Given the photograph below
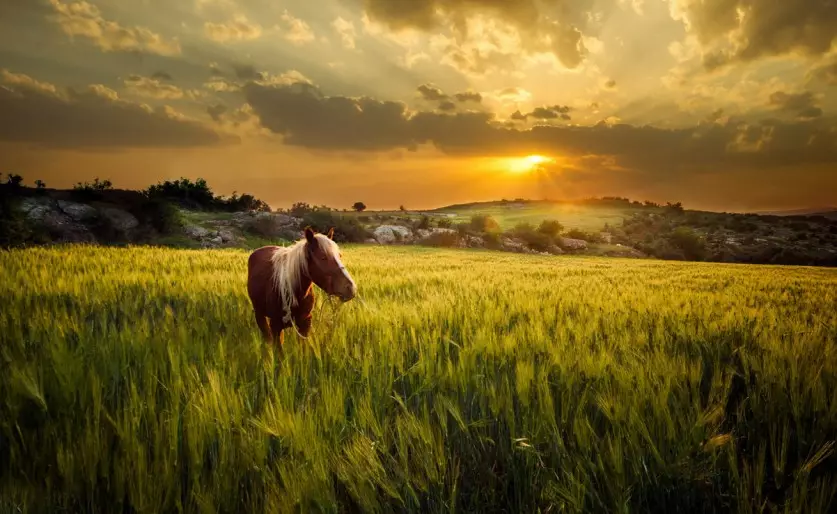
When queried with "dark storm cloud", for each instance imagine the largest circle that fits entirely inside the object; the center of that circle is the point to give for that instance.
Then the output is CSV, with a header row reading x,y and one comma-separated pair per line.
x,y
767,27
801,104
94,117
555,26
306,117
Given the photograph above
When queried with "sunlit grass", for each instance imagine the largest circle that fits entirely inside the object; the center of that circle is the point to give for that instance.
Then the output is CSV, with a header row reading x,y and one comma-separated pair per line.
x,y
134,380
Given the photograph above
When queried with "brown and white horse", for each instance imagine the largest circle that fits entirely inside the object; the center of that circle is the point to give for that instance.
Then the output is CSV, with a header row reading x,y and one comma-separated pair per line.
x,y
280,282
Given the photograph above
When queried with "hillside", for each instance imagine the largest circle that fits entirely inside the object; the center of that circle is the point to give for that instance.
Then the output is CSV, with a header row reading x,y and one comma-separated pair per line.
x,y
188,215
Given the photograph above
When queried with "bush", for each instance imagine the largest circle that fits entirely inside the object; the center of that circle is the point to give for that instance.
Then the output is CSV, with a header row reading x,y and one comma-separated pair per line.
x,y
445,223
484,223
551,228
424,223
689,242
346,229
534,239
492,240
160,214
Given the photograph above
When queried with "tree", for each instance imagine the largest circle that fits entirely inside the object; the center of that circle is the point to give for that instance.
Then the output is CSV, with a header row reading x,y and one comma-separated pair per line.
x,y
402,208
359,206
14,180
40,184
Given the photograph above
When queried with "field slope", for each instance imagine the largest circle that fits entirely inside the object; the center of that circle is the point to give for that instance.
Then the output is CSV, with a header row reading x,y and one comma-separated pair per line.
x,y
134,381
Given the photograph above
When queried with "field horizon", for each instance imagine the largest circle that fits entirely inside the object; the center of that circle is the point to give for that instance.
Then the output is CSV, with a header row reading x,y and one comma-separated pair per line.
x,y
465,380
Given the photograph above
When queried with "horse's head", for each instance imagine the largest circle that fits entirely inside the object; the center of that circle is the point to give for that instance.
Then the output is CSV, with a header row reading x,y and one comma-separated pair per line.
x,y
325,267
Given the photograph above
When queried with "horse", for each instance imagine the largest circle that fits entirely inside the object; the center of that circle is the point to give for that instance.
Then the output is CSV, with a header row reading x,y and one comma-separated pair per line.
x,y
280,283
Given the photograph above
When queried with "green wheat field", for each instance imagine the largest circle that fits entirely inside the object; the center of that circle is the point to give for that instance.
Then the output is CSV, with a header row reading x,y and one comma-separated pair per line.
x,y
133,380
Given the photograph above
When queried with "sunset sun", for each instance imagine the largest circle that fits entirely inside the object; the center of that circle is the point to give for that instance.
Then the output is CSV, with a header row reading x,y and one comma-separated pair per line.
x,y
528,163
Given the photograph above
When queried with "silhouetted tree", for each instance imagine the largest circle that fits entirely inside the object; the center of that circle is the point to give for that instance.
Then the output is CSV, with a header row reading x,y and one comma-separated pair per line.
x,y
40,184
359,206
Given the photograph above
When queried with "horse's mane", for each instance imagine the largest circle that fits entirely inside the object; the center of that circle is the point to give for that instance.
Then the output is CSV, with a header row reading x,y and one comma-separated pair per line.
x,y
290,265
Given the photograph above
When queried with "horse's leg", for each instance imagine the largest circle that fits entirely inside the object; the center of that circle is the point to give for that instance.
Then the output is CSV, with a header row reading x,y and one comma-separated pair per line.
x,y
278,333
261,321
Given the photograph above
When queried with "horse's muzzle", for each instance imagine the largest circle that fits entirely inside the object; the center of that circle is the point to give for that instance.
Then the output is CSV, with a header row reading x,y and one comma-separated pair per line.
x,y
348,293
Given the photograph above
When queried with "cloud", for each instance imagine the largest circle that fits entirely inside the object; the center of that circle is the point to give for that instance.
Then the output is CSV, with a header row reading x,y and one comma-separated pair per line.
x,y
93,117
610,84
431,93
153,88
490,33
162,75
85,20
468,96
237,29
305,117
802,104
298,31
346,30
447,105
546,113
25,81
825,72
216,111
746,30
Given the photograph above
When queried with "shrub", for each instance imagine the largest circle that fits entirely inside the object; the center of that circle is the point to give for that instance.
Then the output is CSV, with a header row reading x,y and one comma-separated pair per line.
x,y
445,223
534,239
550,227
346,229
484,223
492,240
160,214
424,223
689,242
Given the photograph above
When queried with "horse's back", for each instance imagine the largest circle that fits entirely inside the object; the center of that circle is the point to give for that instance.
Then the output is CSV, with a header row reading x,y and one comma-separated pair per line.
x,y
259,270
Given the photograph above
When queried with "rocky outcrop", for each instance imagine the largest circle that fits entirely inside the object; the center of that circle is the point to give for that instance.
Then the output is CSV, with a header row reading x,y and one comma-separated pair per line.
x,y
389,234
78,211
573,244
122,221
47,214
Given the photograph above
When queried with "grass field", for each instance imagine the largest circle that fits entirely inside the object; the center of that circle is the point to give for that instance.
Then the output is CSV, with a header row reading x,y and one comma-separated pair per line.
x,y
578,216
134,381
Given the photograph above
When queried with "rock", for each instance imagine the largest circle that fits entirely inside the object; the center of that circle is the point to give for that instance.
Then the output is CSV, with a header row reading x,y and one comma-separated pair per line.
x,y
119,219
554,250
216,240
226,236
388,234
77,211
371,241
573,244
196,232
607,237
36,209
474,242
423,233
63,228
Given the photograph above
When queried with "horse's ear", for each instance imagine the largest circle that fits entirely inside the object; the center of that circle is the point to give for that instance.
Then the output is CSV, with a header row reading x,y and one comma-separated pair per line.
x,y
309,234
331,233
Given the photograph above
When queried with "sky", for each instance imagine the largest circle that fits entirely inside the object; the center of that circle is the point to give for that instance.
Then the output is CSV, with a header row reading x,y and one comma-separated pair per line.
x,y
719,104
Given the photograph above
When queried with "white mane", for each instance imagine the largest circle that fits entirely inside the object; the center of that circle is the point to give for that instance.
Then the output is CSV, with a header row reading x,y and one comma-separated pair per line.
x,y
290,265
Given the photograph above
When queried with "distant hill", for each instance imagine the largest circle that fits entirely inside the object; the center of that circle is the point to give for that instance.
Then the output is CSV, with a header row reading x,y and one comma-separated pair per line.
x,y
826,212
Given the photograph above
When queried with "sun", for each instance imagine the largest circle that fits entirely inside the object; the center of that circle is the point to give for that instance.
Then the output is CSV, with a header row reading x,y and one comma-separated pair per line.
x,y
528,163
